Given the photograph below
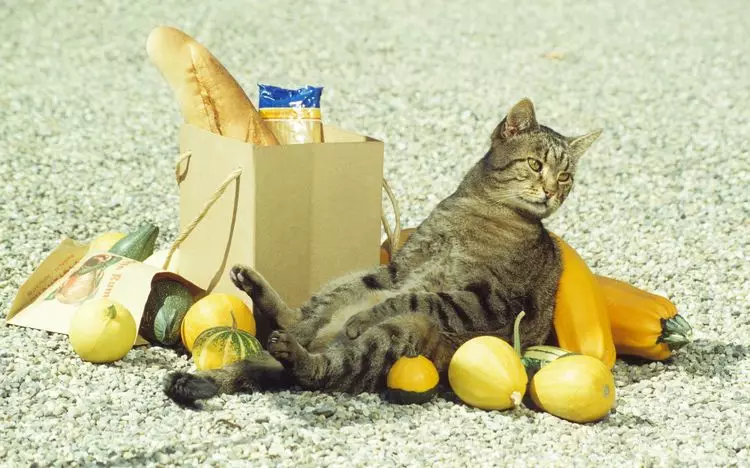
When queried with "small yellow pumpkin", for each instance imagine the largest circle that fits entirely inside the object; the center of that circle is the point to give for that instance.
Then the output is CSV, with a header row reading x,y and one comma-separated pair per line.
x,y
487,373
576,387
412,380
215,310
102,330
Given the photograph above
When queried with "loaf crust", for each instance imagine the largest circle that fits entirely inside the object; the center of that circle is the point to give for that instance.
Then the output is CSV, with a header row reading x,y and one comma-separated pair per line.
x,y
208,95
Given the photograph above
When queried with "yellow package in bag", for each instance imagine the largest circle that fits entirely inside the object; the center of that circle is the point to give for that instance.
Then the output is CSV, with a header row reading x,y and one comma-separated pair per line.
x,y
293,115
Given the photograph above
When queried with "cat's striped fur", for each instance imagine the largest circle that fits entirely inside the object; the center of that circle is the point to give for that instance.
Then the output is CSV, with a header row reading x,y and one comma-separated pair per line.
x,y
478,259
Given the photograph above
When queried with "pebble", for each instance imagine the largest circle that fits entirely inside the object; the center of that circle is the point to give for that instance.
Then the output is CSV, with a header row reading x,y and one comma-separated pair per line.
x,y
88,138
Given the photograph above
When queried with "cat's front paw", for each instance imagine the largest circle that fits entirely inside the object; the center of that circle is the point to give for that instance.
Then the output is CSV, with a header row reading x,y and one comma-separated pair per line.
x,y
246,279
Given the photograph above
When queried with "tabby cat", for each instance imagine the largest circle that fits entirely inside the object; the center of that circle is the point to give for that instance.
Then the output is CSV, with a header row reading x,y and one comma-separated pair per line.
x,y
479,258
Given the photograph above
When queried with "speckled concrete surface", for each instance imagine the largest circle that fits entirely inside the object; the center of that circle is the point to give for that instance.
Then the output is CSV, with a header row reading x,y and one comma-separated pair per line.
x,y
88,135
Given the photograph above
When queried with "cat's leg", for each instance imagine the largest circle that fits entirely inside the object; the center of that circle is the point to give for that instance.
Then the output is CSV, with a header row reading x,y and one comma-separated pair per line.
x,y
362,365
305,321
265,298
477,309
260,373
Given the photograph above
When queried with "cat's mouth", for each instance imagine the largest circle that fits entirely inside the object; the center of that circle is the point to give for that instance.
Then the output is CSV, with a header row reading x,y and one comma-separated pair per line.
x,y
540,207
541,203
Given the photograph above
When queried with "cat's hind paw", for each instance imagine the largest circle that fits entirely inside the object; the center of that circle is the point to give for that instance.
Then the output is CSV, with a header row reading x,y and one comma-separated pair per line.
x,y
284,347
185,389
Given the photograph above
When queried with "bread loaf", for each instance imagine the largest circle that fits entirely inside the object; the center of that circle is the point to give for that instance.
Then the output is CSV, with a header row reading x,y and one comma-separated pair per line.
x,y
209,96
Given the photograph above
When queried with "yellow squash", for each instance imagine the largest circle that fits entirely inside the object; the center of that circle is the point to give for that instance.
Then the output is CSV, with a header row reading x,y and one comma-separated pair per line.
x,y
575,387
581,321
104,241
486,372
102,330
643,324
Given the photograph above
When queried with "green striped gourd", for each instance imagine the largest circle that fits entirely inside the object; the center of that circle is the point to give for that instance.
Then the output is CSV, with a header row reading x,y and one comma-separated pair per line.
x,y
219,346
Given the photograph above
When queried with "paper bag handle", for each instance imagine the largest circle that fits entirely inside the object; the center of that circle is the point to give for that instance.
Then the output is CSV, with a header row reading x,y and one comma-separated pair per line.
x,y
235,174
393,236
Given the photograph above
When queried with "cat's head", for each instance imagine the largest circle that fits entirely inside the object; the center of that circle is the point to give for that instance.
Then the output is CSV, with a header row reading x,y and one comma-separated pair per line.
x,y
531,168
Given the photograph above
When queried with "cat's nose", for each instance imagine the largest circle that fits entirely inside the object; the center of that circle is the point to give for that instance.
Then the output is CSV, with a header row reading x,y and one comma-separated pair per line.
x,y
549,193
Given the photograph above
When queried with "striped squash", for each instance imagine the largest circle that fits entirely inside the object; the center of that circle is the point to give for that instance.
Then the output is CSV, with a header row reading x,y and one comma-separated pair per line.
x,y
217,347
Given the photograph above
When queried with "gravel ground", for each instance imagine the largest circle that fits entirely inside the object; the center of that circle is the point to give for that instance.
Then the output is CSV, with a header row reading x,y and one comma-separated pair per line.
x,y
88,134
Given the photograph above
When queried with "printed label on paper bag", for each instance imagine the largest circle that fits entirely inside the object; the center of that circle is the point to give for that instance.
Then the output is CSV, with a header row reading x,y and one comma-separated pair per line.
x,y
95,275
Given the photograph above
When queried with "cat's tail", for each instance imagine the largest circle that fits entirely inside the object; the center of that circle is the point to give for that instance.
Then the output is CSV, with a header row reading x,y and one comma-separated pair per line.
x,y
262,372
185,389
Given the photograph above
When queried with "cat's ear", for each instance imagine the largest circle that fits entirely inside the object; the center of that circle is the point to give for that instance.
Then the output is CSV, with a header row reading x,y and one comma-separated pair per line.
x,y
578,145
521,118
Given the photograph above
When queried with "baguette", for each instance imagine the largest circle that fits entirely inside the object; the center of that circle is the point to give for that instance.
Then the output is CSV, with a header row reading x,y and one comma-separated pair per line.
x,y
209,97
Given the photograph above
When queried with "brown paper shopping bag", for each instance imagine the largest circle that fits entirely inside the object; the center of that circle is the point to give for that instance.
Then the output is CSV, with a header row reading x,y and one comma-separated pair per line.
x,y
300,215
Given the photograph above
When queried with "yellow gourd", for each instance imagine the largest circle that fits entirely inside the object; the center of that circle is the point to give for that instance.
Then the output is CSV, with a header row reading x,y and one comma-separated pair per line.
x,y
102,330
575,387
104,241
214,310
581,321
486,372
157,259
643,324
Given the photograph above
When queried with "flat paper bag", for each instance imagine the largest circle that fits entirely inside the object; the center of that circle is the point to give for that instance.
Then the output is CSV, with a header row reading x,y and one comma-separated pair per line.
x,y
71,275
299,214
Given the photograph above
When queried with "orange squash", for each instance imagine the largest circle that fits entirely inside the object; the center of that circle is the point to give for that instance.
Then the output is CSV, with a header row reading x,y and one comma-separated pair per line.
x,y
385,248
643,324
581,321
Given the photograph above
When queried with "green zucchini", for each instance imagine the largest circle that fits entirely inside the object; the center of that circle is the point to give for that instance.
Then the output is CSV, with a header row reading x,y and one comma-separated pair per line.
x,y
137,245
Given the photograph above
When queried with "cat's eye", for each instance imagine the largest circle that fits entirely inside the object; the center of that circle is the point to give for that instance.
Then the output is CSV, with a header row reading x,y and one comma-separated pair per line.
x,y
535,164
563,177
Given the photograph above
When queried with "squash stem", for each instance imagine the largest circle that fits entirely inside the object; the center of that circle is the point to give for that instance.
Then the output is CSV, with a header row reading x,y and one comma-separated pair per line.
x,y
234,320
676,332
516,337
111,312
676,341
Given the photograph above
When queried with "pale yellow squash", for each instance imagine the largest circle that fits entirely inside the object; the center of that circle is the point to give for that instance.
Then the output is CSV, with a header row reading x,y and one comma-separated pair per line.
x,y
104,241
102,330
486,372
575,387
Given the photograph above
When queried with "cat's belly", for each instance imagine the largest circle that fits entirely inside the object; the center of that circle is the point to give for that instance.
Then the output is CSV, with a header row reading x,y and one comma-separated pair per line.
x,y
340,316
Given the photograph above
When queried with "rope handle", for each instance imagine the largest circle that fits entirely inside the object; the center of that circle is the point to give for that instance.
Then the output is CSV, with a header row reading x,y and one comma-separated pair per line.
x,y
393,235
180,176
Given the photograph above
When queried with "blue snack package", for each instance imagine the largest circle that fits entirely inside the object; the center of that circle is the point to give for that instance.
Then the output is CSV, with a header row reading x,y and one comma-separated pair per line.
x,y
293,115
